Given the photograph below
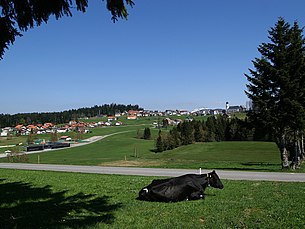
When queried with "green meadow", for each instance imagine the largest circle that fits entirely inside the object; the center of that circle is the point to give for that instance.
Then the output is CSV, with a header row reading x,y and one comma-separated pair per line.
x,y
41,199
36,199
127,148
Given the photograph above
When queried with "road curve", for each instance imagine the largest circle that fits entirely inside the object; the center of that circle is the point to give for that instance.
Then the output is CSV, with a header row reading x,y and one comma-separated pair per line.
x,y
223,174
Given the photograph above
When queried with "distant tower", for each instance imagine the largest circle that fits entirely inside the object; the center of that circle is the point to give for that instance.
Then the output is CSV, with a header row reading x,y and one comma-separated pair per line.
x,y
227,105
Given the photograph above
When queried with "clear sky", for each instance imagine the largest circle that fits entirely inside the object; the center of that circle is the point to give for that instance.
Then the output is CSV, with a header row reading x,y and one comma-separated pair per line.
x,y
169,54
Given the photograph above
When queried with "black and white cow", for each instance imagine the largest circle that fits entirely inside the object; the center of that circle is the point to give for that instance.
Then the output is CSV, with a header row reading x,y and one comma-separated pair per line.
x,y
185,187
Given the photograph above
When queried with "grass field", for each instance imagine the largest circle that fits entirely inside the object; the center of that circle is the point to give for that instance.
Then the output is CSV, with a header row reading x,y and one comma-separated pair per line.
x,y
31,199
126,149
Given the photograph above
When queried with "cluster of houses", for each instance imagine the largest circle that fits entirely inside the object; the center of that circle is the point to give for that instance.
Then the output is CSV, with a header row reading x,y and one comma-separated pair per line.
x,y
43,129
84,127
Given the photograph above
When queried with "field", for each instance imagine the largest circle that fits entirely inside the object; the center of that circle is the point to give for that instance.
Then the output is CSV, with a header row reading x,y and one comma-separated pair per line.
x,y
126,148
35,199
31,199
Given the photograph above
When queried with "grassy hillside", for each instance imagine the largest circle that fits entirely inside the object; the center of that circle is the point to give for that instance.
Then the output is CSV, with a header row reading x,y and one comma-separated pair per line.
x,y
32,199
125,149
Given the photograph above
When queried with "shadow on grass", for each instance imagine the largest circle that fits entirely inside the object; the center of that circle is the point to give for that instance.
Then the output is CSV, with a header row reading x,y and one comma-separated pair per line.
x,y
154,151
24,206
260,164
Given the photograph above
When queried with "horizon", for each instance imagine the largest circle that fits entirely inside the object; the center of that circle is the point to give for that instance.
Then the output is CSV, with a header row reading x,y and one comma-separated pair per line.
x,y
167,55
133,104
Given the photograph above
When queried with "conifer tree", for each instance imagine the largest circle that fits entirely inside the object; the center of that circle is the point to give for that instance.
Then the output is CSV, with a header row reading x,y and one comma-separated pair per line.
x,y
187,133
159,143
277,86
147,133
198,131
211,129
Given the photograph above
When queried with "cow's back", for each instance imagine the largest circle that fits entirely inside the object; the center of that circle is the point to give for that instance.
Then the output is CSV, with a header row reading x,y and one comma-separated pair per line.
x,y
173,189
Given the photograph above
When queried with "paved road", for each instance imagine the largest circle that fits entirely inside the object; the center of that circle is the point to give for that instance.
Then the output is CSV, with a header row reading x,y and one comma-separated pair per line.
x,y
230,175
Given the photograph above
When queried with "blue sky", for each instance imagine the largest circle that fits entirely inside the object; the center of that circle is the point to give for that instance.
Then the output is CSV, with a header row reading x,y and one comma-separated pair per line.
x,y
168,55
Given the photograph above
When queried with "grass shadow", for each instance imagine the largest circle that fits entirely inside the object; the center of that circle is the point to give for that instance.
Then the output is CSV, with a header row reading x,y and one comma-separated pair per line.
x,y
259,164
23,205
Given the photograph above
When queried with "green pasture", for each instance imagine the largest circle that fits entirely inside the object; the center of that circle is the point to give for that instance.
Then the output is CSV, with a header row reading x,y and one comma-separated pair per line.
x,y
126,149
36,199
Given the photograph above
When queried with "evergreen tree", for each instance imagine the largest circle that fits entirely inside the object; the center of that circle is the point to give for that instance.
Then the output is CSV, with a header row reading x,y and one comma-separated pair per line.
x,y
211,129
159,143
175,137
187,133
277,85
220,127
147,134
198,132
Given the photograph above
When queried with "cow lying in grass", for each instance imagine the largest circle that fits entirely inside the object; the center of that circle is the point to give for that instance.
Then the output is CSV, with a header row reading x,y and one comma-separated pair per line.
x,y
186,187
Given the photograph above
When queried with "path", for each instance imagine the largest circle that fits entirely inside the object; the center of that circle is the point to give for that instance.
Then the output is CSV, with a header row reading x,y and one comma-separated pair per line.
x,y
230,175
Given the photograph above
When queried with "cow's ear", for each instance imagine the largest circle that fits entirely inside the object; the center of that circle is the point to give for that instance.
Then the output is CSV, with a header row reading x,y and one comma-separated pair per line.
x,y
213,171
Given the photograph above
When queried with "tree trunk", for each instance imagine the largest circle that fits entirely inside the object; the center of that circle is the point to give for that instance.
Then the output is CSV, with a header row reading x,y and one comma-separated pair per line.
x,y
295,164
302,148
284,152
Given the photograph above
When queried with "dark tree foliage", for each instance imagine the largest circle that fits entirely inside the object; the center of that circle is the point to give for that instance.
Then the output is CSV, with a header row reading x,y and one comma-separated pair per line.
x,y
147,134
186,132
17,16
199,133
277,86
211,129
221,127
238,130
221,124
160,143
64,116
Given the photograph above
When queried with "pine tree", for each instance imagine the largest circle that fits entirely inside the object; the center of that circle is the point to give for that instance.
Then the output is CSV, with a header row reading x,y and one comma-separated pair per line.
x,y
147,134
211,129
198,131
277,85
175,135
159,143
187,133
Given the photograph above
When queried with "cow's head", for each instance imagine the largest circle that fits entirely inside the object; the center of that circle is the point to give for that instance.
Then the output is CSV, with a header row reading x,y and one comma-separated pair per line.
x,y
143,194
214,180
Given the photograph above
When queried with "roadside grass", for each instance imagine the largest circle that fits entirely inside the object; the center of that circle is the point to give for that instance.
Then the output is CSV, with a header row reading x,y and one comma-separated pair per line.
x,y
39,199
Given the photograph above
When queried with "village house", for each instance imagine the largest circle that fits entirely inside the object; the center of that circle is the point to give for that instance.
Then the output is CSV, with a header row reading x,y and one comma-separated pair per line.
x,y
132,114
111,118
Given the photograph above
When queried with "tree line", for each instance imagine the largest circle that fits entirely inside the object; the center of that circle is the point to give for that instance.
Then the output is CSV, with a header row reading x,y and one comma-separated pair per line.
x,y
215,128
64,116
